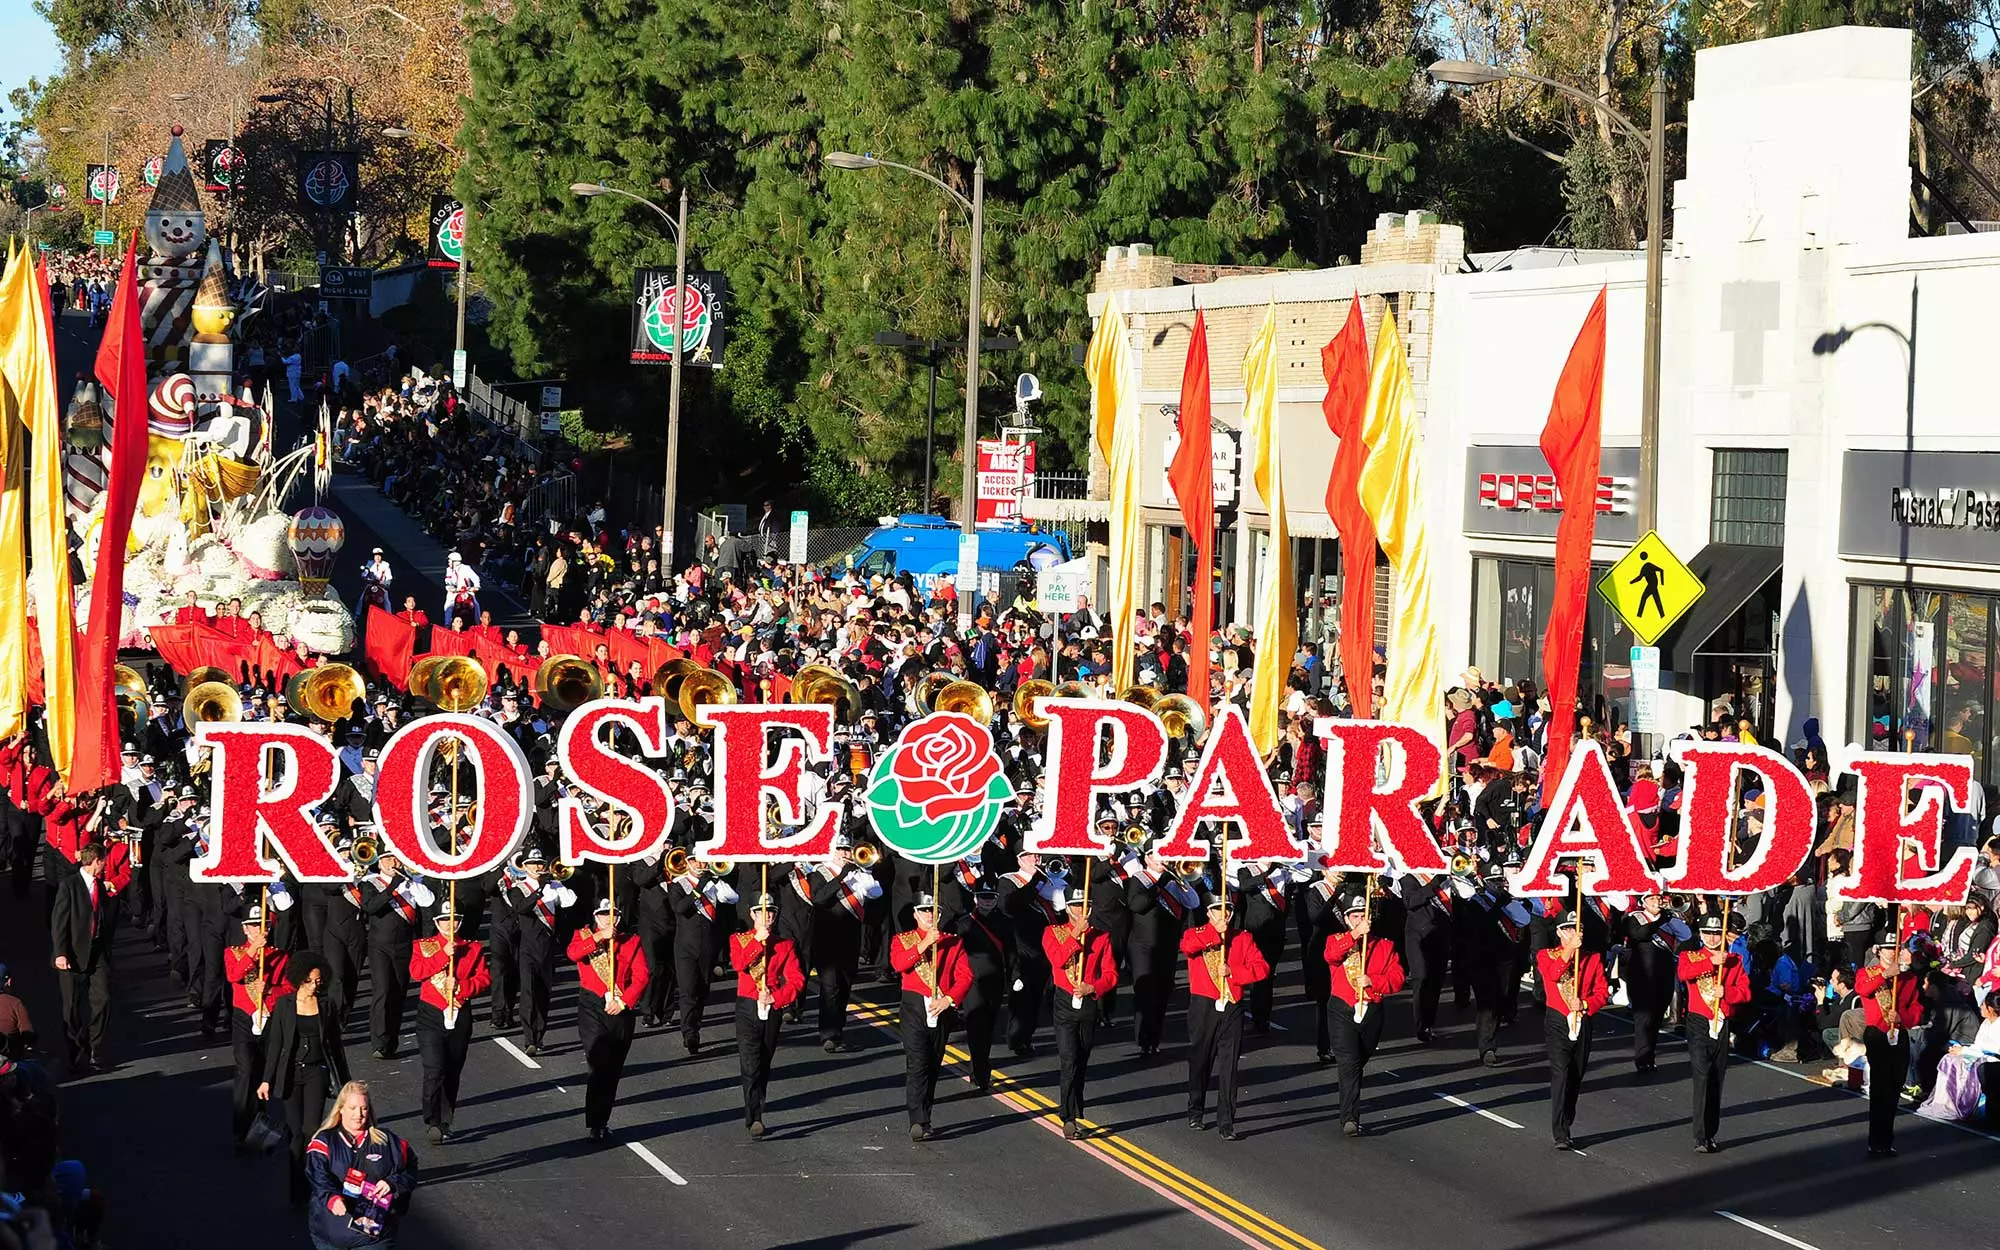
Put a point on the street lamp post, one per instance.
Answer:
(464, 246)
(668, 490)
(104, 202)
(969, 480)
(1473, 73)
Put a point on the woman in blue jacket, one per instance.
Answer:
(361, 1175)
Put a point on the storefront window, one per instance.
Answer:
(1511, 601)
(1965, 664)
(1923, 662)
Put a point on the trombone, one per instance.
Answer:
(364, 854)
(1133, 837)
(680, 862)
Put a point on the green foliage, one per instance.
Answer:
(581, 436)
(1099, 124)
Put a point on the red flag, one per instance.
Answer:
(390, 644)
(1571, 443)
(121, 369)
(1344, 361)
(451, 642)
(1192, 475)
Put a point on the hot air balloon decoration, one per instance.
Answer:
(315, 537)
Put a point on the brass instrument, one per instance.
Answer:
(212, 701)
(364, 854)
(459, 684)
(295, 693)
(564, 682)
(1133, 836)
(1464, 864)
(928, 688)
(677, 863)
(1075, 690)
(1140, 696)
(819, 683)
(719, 867)
(207, 673)
(1186, 867)
(681, 862)
(866, 856)
(561, 871)
(1024, 701)
(129, 689)
(330, 692)
(420, 673)
(704, 688)
(1181, 715)
(667, 677)
(967, 698)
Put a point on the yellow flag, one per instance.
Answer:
(29, 368)
(1277, 611)
(1392, 491)
(1116, 433)
(13, 569)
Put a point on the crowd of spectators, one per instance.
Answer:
(46, 1200)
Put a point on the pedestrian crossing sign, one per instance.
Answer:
(1650, 588)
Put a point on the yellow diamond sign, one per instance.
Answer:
(1650, 587)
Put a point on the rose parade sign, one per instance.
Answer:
(939, 792)
(447, 235)
(658, 319)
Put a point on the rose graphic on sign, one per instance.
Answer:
(937, 794)
(151, 172)
(223, 170)
(451, 235)
(326, 182)
(103, 184)
(694, 321)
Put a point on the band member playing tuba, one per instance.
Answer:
(1574, 989)
(1362, 972)
(936, 979)
(612, 970)
(1223, 961)
(449, 972)
(768, 981)
(1717, 985)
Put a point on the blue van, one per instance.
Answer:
(926, 547)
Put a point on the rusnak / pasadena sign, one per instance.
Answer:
(938, 792)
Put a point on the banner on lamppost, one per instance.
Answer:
(101, 184)
(56, 197)
(329, 182)
(447, 242)
(151, 171)
(703, 321)
(220, 165)
(1006, 474)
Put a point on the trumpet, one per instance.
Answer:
(866, 856)
(1133, 836)
(561, 871)
(1464, 864)
(364, 854)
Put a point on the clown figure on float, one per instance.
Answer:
(176, 230)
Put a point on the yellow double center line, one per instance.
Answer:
(1257, 1226)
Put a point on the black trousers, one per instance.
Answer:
(305, 1107)
(1024, 1005)
(1567, 1061)
(1152, 984)
(1649, 1006)
(923, 1055)
(982, 1013)
(1076, 1031)
(86, 1011)
(606, 1040)
(1888, 1070)
(503, 965)
(836, 990)
(1495, 989)
(173, 912)
(21, 857)
(211, 987)
(657, 941)
(1353, 1046)
(389, 986)
(443, 1053)
(1428, 952)
(345, 952)
(247, 1053)
(538, 975)
(1215, 1044)
(1258, 1001)
(1708, 1060)
(756, 1043)
(692, 970)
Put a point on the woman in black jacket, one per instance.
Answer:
(1967, 937)
(303, 1062)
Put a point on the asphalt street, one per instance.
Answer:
(1456, 1155)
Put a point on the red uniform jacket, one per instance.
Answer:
(240, 965)
(64, 825)
(427, 967)
(1246, 966)
(185, 615)
(1909, 1009)
(1696, 964)
(41, 783)
(954, 971)
(117, 867)
(1595, 990)
(1384, 969)
(1100, 970)
(12, 776)
(237, 627)
(782, 975)
(628, 966)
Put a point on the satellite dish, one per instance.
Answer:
(1027, 389)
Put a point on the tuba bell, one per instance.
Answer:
(667, 677)
(129, 688)
(1139, 696)
(1024, 702)
(212, 701)
(459, 684)
(1076, 690)
(1182, 716)
(295, 693)
(564, 682)
(819, 683)
(330, 691)
(929, 686)
(967, 698)
(704, 688)
(206, 673)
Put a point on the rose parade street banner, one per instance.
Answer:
(704, 321)
(446, 249)
(936, 795)
(329, 182)
(221, 165)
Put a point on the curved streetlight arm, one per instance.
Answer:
(598, 188)
(1584, 97)
(933, 179)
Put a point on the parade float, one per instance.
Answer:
(212, 516)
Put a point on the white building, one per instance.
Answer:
(1829, 462)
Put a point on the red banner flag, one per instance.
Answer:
(451, 642)
(1344, 361)
(390, 645)
(1571, 443)
(1192, 475)
(121, 369)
